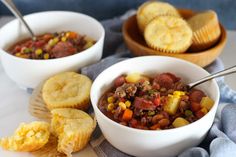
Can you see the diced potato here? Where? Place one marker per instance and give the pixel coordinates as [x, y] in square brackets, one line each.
[133, 77]
[207, 103]
[204, 110]
[179, 93]
[172, 104]
[143, 77]
[178, 122]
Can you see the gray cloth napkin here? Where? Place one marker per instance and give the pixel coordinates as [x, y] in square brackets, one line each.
[221, 139]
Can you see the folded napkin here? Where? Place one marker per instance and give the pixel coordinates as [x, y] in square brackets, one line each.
[221, 139]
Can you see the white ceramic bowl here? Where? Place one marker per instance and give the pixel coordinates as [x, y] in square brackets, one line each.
[164, 143]
[29, 73]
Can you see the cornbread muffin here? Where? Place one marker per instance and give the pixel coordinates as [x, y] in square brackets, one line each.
[73, 128]
[149, 10]
[168, 34]
[27, 137]
[67, 90]
[206, 30]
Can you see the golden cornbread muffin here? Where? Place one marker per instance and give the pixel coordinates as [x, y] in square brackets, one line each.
[27, 137]
[206, 30]
[150, 9]
[168, 34]
[67, 90]
[73, 128]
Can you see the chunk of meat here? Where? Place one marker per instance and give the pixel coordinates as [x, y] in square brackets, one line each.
[196, 95]
[142, 104]
[126, 90]
[63, 49]
[144, 85]
[166, 80]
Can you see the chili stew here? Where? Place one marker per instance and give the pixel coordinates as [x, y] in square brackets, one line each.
[52, 45]
[153, 103]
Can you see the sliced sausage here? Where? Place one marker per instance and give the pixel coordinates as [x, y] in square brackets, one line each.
[63, 49]
[196, 95]
[166, 80]
[119, 81]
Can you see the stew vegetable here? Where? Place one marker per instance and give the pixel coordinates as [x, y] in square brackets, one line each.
[162, 102]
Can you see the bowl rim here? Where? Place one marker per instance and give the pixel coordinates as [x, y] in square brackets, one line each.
[135, 130]
[61, 58]
[222, 40]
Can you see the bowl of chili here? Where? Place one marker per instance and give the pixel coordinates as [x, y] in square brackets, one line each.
[143, 108]
[65, 41]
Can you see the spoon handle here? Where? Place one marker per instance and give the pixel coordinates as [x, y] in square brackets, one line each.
[11, 6]
[218, 74]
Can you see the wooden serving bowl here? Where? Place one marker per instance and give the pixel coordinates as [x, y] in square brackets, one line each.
[137, 45]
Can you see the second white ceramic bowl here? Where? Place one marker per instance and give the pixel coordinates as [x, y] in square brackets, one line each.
[28, 73]
[148, 143]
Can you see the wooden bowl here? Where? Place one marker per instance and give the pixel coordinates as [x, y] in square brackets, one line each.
[137, 45]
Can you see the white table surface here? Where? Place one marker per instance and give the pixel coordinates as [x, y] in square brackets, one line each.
[14, 101]
[229, 57]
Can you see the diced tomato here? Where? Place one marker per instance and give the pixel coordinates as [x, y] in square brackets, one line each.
[39, 43]
[122, 99]
[47, 37]
[133, 123]
[17, 48]
[157, 100]
[143, 104]
[72, 35]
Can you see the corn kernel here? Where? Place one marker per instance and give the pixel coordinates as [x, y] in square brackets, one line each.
[110, 106]
[67, 34]
[17, 54]
[122, 105]
[38, 51]
[50, 42]
[128, 103]
[110, 99]
[204, 110]
[55, 40]
[63, 39]
[46, 56]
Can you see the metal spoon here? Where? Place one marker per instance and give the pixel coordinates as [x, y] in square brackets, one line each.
[207, 78]
[11, 6]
